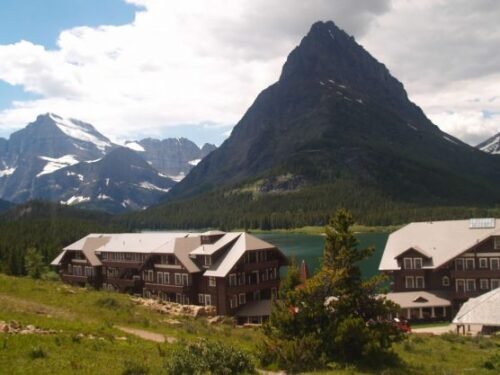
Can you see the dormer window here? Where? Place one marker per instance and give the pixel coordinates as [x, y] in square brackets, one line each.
[408, 263]
[417, 263]
[446, 281]
[208, 260]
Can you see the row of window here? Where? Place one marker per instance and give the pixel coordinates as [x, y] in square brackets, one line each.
[469, 285]
[81, 271]
[412, 263]
[179, 279]
[412, 282]
[179, 297]
[254, 277]
[483, 263]
[119, 257]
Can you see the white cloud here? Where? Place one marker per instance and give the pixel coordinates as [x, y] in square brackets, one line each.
[178, 62]
[193, 63]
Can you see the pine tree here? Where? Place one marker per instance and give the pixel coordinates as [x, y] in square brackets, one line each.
[337, 316]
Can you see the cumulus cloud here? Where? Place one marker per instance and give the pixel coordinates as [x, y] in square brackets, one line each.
[177, 63]
[198, 62]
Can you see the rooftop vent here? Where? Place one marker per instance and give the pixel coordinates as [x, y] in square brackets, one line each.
[483, 223]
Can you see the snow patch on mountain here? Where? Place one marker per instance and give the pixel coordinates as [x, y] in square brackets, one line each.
[150, 186]
[76, 131]
[56, 164]
[80, 176]
[194, 162]
[176, 178]
[104, 197]
[7, 172]
[134, 146]
[75, 200]
[492, 147]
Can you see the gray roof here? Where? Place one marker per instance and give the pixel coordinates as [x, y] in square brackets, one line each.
[439, 240]
[245, 242]
[209, 249]
[484, 310]
[418, 299]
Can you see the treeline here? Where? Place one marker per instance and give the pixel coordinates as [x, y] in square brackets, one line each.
[247, 209]
[47, 228]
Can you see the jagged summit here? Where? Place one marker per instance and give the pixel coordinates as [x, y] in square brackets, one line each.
[491, 145]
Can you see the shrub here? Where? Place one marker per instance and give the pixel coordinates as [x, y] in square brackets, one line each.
[211, 357]
[37, 352]
[109, 303]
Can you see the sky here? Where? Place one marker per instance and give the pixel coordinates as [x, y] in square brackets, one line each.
[157, 68]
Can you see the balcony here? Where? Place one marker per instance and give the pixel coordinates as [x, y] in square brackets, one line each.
[68, 278]
[260, 265]
[169, 288]
[477, 273]
[132, 283]
[254, 286]
[134, 264]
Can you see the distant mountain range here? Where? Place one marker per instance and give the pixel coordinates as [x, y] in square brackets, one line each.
[491, 145]
[69, 161]
[336, 129]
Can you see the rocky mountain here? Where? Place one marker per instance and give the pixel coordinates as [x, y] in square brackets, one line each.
[337, 114]
[174, 157]
[120, 181]
[491, 145]
[69, 161]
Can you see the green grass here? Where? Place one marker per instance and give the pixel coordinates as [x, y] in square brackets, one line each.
[87, 341]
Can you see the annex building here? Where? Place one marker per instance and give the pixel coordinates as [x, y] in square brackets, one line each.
[232, 271]
[435, 267]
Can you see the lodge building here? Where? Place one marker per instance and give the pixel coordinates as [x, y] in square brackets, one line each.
[435, 267]
[235, 272]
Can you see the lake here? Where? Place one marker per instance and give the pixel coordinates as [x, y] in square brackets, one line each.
[310, 248]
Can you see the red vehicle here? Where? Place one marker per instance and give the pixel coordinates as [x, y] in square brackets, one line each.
[402, 325]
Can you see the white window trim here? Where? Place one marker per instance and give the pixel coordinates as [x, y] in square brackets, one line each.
[409, 285]
[242, 298]
[410, 263]
[417, 278]
[483, 263]
[456, 284]
[212, 281]
[497, 262]
[484, 283]
[494, 281]
[467, 285]
[445, 281]
[418, 260]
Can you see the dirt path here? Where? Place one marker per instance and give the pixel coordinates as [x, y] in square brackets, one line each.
[146, 335]
[474, 329]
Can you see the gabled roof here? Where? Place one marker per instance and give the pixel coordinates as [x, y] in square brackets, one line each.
[209, 249]
[183, 247]
[418, 250]
[484, 310]
[245, 242]
[441, 240]
[418, 299]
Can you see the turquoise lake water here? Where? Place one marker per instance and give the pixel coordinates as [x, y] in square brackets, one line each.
[310, 248]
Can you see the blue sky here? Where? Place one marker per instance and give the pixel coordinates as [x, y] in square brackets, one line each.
[41, 21]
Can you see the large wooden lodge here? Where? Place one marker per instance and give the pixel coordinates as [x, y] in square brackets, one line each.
[436, 266]
[235, 272]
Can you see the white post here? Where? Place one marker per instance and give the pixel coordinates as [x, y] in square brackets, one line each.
[408, 314]
[433, 315]
[420, 313]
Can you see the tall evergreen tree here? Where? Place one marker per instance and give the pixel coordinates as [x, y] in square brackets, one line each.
[337, 316]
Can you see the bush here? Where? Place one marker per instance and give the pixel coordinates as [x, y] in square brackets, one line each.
[37, 352]
[207, 357]
[50, 276]
[109, 303]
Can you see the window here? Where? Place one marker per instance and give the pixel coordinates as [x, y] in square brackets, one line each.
[233, 301]
[241, 278]
[494, 264]
[446, 281]
[208, 260]
[409, 282]
[201, 299]
[178, 297]
[483, 262]
[460, 285]
[150, 276]
[185, 279]
[265, 275]
[166, 278]
[469, 263]
[419, 281]
[242, 298]
[178, 280]
[408, 263]
[459, 264]
[159, 277]
[70, 269]
[483, 284]
[417, 263]
[232, 279]
[471, 285]
[496, 242]
[77, 270]
[89, 271]
[256, 295]
[211, 281]
[494, 283]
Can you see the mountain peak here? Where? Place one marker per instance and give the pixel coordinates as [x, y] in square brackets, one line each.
[491, 145]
